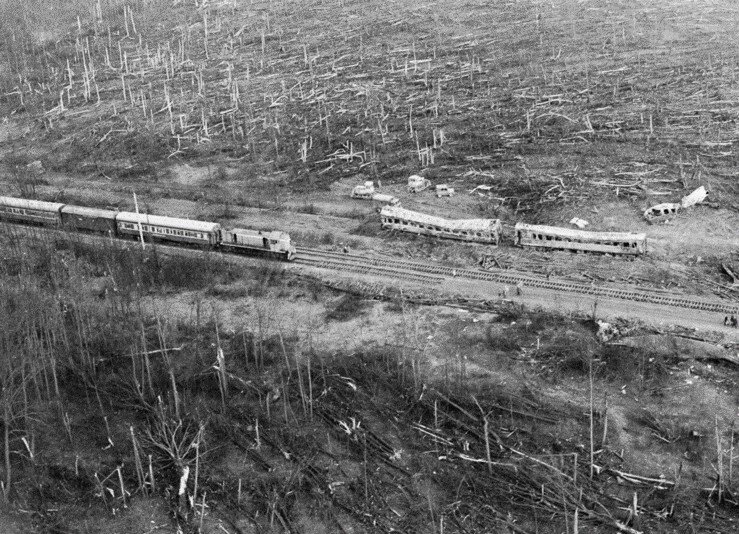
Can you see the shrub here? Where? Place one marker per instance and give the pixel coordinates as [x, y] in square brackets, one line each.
[348, 307]
[569, 350]
[370, 226]
[501, 340]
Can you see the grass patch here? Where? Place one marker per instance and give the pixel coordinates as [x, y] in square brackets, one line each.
[369, 227]
[348, 307]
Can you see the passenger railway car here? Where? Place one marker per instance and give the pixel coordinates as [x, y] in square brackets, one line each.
[477, 230]
[552, 237]
[246, 241]
[160, 228]
[30, 211]
[82, 219]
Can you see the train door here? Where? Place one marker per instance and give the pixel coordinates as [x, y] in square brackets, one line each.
[265, 242]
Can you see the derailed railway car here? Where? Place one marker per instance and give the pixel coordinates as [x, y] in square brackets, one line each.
[30, 211]
[172, 229]
[275, 244]
[83, 219]
[552, 237]
[476, 230]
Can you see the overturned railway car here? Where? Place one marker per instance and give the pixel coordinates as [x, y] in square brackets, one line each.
[476, 230]
[553, 237]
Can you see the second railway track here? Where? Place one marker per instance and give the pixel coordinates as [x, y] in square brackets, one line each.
[406, 269]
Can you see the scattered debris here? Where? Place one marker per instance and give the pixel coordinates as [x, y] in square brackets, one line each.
[661, 212]
[367, 192]
[417, 183]
[443, 190]
[580, 223]
[696, 197]
[481, 188]
[732, 274]
[364, 191]
[606, 331]
[386, 199]
[36, 167]
[673, 346]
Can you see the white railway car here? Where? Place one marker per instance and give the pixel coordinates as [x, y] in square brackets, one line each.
[30, 211]
[552, 237]
[477, 230]
[255, 242]
[160, 228]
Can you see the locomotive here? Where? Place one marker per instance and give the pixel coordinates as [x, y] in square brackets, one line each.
[149, 227]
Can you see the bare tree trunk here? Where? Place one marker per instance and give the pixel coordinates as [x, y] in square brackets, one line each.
[6, 443]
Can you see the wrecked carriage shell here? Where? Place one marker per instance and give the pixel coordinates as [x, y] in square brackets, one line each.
[661, 212]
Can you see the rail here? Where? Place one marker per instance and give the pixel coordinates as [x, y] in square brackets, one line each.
[501, 276]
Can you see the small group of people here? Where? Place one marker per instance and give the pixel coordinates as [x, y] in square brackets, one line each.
[730, 321]
[506, 289]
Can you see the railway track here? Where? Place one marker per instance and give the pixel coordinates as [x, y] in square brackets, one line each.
[356, 263]
[350, 264]
[434, 274]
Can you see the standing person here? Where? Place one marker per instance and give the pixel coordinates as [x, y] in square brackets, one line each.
[519, 288]
[726, 320]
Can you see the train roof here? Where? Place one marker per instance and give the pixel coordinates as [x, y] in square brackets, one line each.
[30, 204]
[274, 234]
[485, 225]
[170, 222]
[580, 234]
[89, 212]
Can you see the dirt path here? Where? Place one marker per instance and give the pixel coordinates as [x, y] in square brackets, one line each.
[605, 308]
[565, 302]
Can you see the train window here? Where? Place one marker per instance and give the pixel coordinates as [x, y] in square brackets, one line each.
[549, 238]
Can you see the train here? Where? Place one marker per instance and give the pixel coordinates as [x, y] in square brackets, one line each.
[152, 228]
[277, 244]
[489, 231]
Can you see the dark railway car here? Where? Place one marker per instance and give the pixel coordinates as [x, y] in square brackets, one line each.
[30, 211]
[82, 219]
